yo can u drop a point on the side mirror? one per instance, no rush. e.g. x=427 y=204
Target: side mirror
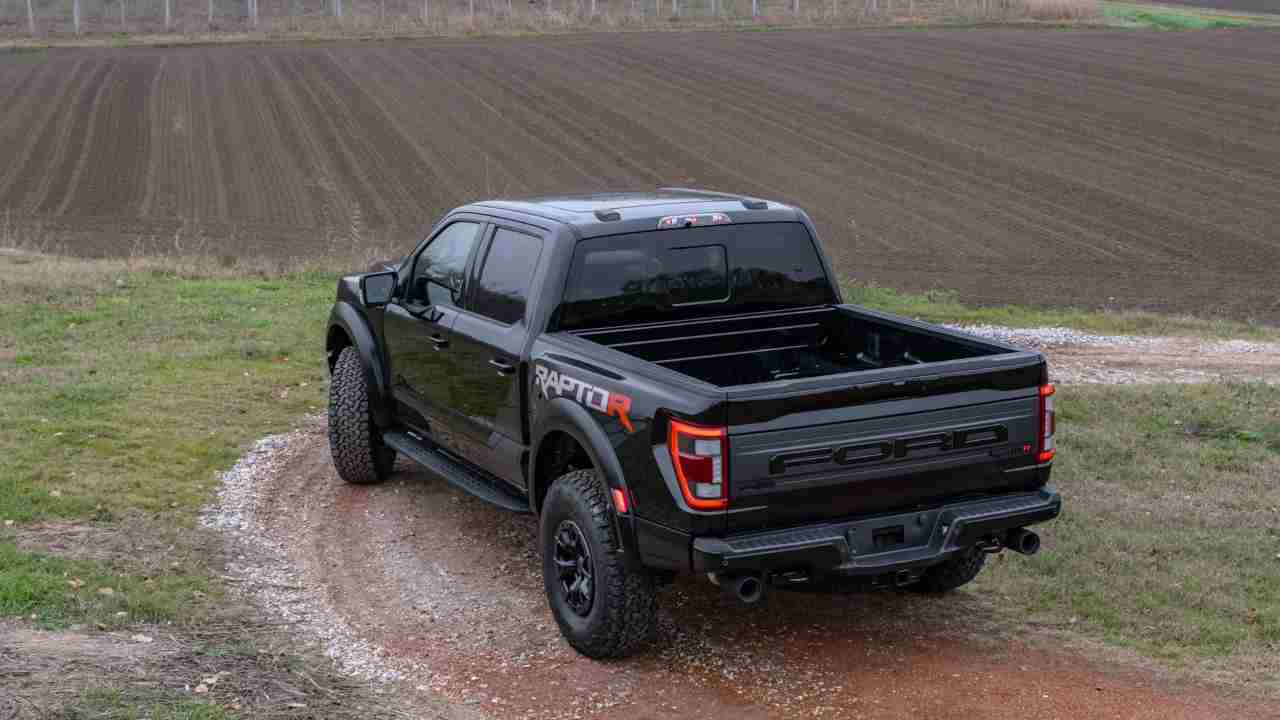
x=377 y=288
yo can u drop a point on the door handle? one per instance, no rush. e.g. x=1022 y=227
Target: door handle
x=504 y=368
x=440 y=341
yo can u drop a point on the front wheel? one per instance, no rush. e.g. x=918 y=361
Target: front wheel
x=355 y=442
x=604 y=609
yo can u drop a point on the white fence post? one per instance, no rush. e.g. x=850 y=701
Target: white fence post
x=122 y=14
x=31 y=18
x=75 y=14
x=210 y=13
x=755 y=8
x=337 y=8
x=426 y=12
x=168 y=16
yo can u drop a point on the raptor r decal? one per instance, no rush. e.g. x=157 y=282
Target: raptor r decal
x=556 y=384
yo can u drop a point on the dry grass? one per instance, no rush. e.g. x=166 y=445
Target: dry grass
x=42 y=254
x=1061 y=9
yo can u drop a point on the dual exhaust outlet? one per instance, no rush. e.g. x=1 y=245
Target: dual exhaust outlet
x=750 y=588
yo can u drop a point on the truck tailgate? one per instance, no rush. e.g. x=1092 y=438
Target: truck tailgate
x=834 y=447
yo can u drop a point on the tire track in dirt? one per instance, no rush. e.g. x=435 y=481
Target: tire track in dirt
x=110 y=171
x=962 y=172
x=75 y=146
x=957 y=89
x=48 y=139
x=156 y=123
x=215 y=203
x=318 y=174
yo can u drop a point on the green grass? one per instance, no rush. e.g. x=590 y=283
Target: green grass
x=1163 y=17
x=943 y=306
x=58 y=592
x=113 y=704
x=132 y=398
x=121 y=396
x=1168 y=541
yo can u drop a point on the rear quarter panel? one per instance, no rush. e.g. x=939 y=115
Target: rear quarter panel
x=630 y=401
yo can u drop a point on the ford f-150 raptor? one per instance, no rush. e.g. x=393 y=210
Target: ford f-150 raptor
x=671 y=382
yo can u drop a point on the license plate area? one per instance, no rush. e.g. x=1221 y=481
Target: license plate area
x=888 y=537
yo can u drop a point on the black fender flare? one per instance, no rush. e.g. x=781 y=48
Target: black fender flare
x=567 y=416
x=564 y=415
x=345 y=318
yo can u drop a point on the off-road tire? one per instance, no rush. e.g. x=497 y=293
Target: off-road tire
x=354 y=441
x=624 y=608
x=952 y=572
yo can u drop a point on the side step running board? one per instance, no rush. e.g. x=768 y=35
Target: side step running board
x=458 y=475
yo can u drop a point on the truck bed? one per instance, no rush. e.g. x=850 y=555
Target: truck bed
x=838 y=411
x=766 y=347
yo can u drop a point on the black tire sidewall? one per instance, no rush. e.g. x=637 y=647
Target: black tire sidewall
x=561 y=504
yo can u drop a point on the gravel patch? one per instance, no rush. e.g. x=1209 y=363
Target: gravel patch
x=1240 y=347
x=262 y=568
x=1040 y=337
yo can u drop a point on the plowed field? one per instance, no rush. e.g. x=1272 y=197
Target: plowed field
x=1121 y=169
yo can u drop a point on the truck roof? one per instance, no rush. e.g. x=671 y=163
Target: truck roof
x=610 y=213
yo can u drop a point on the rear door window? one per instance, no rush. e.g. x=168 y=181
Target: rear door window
x=502 y=290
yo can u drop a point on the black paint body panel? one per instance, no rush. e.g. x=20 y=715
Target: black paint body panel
x=849 y=434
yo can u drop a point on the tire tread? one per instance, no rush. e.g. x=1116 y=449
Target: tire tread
x=353 y=440
x=630 y=596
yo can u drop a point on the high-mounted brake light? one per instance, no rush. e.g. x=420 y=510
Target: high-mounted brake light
x=1048 y=425
x=699 y=455
x=681 y=221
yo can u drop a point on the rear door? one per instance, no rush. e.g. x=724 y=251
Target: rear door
x=489 y=338
x=815 y=450
x=417 y=330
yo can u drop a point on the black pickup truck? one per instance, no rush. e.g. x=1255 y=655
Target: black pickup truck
x=671 y=382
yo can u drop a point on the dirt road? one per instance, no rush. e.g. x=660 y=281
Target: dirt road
x=420 y=585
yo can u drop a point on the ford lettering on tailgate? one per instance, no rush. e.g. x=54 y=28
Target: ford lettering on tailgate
x=884 y=450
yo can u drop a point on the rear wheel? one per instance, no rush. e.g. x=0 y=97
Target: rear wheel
x=953 y=572
x=604 y=609
x=354 y=440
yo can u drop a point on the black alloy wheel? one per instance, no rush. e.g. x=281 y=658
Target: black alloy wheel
x=573 y=563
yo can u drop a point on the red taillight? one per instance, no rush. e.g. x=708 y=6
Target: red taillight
x=1048 y=425
x=699 y=455
x=620 y=501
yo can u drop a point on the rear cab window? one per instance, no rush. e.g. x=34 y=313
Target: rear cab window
x=697 y=272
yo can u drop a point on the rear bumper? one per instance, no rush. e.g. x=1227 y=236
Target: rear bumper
x=876 y=545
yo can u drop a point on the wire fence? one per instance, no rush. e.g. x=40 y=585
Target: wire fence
x=46 y=18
